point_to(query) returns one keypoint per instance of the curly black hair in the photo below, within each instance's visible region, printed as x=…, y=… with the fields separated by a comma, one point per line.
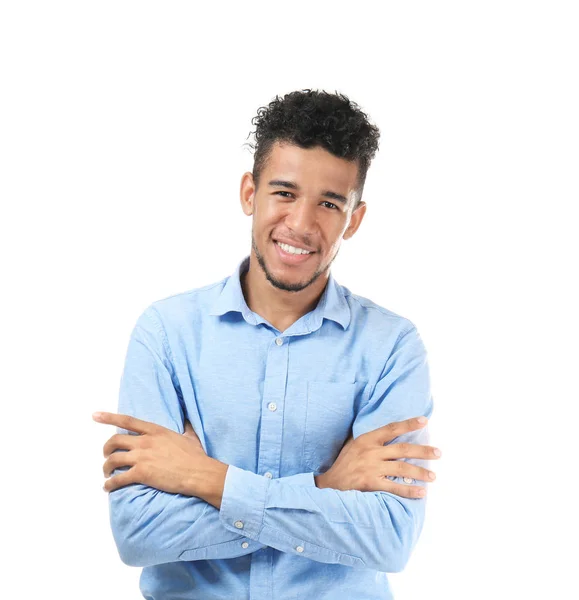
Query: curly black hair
x=309, y=118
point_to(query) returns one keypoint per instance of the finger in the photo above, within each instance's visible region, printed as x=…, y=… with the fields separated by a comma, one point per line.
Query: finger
x=387, y=433
x=120, y=480
x=406, y=450
x=124, y=422
x=119, y=459
x=120, y=441
x=190, y=433
x=399, y=468
x=402, y=490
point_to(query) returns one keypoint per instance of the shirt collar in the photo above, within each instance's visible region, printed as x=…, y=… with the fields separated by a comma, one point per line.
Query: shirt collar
x=332, y=304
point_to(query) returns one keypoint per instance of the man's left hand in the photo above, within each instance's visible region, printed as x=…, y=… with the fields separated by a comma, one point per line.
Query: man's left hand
x=158, y=457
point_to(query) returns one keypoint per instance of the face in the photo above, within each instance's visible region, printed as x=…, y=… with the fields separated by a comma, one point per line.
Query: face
x=302, y=210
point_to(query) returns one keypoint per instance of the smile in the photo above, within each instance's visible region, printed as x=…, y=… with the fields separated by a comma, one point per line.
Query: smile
x=292, y=249
x=292, y=256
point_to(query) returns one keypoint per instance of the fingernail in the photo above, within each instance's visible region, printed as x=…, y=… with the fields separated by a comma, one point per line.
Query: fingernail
x=97, y=416
x=421, y=492
x=422, y=420
x=437, y=452
x=431, y=475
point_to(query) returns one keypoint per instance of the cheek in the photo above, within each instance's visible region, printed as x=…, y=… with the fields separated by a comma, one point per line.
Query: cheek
x=262, y=218
x=334, y=248
x=271, y=217
x=334, y=236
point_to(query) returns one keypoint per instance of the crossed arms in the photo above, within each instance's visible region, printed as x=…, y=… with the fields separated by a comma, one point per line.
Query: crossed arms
x=350, y=515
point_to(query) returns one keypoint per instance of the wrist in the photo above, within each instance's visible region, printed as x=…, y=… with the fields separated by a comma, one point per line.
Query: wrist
x=208, y=481
x=215, y=483
x=321, y=480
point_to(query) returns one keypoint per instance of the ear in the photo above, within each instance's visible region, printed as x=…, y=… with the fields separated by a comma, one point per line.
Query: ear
x=355, y=221
x=247, y=193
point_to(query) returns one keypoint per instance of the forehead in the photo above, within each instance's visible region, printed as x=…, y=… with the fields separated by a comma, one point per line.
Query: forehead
x=311, y=167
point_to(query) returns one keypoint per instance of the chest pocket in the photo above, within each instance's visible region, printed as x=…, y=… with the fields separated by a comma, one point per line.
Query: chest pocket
x=329, y=418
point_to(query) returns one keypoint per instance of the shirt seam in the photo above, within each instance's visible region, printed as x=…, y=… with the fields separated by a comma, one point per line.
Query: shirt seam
x=290, y=540
x=164, y=339
x=204, y=288
x=214, y=546
x=400, y=337
x=381, y=309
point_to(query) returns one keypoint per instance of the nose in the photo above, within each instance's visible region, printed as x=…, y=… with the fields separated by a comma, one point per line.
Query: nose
x=301, y=218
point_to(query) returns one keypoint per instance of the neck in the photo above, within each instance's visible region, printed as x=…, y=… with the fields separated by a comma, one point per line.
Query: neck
x=279, y=307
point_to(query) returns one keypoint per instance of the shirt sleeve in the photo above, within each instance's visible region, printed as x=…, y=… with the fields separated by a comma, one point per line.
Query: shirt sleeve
x=151, y=526
x=376, y=530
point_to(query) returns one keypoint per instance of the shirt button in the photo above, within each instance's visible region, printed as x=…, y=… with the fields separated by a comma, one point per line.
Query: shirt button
x=268, y=475
x=239, y=524
x=408, y=480
x=272, y=406
x=245, y=545
x=300, y=549
x=279, y=341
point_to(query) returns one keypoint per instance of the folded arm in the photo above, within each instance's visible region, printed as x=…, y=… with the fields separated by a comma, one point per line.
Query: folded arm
x=367, y=529
x=376, y=530
x=151, y=526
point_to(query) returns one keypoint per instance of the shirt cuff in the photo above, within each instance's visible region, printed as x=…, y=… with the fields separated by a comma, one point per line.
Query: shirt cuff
x=243, y=502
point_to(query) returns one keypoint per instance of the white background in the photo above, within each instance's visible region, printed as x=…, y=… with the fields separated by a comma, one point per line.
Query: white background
x=122, y=127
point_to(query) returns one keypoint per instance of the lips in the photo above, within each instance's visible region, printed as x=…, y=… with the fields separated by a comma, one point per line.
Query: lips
x=294, y=244
x=291, y=259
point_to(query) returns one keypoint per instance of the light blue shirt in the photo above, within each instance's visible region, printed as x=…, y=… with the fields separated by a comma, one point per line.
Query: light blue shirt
x=277, y=407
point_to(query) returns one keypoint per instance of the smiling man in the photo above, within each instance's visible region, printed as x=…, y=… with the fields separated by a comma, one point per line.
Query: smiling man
x=272, y=437
x=302, y=201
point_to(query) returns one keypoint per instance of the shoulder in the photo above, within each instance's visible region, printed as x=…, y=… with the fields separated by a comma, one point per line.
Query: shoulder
x=187, y=306
x=374, y=319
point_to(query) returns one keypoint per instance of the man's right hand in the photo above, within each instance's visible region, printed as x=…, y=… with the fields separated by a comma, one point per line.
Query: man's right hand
x=364, y=463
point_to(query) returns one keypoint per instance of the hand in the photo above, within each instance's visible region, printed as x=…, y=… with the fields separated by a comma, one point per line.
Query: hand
x=364, y=463
x=158, y=457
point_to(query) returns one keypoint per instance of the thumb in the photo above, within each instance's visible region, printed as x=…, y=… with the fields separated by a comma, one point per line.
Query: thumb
x=348, y=442
x=190, y=433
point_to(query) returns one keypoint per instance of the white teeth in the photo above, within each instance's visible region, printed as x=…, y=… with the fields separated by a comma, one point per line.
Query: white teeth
x=292, y=249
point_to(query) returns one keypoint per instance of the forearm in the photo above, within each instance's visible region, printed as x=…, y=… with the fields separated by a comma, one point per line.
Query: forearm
x=374, y=530
x=152, y=527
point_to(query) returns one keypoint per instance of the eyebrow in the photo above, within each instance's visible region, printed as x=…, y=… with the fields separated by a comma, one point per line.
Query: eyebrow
x=293, y=186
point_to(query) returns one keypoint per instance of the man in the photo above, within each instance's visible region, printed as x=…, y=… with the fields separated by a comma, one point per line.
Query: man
x=269, y=422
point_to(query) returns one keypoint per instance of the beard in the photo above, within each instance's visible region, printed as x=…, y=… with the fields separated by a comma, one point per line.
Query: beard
x=282, y=285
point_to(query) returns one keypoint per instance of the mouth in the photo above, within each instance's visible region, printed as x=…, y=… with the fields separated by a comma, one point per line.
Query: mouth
x=292, y=255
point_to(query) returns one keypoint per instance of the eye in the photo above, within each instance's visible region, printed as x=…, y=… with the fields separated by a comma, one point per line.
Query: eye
x=281, y=193
x=331, y=205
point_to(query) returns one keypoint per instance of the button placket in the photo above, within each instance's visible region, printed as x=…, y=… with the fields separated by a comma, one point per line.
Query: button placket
x=273, y=398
